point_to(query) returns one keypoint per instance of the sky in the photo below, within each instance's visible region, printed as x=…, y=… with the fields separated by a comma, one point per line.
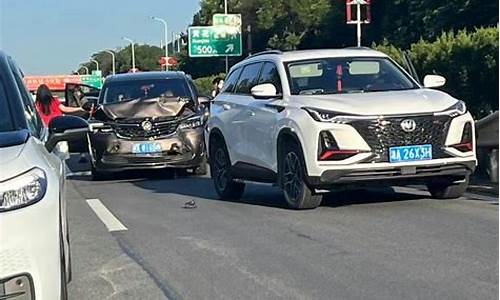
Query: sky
x=54, y=36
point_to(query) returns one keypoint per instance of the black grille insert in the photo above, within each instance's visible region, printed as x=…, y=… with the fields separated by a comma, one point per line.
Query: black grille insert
x=136, y=131
x=382, y=133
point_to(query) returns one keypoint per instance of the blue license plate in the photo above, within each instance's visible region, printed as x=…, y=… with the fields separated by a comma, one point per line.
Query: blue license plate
x=410, y=153
x=146, y=148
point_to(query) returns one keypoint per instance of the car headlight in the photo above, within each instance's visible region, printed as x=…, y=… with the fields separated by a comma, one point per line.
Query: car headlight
x=23, y=190
x=192, y=122
x=327, y=116
x=455, y=110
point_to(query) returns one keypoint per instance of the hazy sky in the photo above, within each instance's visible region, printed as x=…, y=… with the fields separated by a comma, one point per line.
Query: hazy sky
x=54, y=36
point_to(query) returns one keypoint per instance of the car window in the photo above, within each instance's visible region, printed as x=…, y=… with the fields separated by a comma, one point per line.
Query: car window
x=31, y=114
x=346, y=75
x=269, y=74
x=248, y=78
x=231, y=81
x=145, y=89
x=6, y=118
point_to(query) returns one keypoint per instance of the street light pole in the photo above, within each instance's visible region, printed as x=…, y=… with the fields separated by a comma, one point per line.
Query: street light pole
x=85, y=67
x=113, y=61
x=96, y=63
x=133, y=53
x=166, y=38
x=227, y=58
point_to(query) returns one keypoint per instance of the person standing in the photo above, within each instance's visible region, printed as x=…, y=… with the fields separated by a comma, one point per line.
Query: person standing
x=49, y=107
x=217, y=85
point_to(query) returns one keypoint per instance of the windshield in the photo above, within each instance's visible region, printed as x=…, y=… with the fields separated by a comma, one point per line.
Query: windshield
x=346, y=75
x=145, y=89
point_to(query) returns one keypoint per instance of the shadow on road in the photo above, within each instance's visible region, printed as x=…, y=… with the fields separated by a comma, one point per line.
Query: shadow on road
x=177, y=182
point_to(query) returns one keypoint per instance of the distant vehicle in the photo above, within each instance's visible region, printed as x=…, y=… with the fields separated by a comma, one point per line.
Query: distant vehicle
x=34, y=238
x=316, y=120
x=148, y=120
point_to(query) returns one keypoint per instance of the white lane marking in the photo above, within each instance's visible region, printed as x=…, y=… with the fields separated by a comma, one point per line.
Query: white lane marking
x=111, y=222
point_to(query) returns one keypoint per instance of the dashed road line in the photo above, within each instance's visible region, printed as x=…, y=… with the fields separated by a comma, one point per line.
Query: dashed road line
x=111, y=222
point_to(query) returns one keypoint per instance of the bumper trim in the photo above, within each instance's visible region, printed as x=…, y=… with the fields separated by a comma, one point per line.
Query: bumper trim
x=396, y=175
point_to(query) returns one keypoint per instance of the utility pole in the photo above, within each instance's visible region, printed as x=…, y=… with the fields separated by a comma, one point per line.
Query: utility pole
x=165, y=27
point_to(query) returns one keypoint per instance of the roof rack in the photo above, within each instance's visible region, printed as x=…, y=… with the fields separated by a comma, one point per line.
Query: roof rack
x=265, y=52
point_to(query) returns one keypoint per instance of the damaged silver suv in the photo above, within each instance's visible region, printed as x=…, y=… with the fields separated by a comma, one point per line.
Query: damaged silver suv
x=148, y=120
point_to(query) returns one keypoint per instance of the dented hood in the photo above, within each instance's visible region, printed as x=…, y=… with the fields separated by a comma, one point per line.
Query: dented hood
x=144, y=108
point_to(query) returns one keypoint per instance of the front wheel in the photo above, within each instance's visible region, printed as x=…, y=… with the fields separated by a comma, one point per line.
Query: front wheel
x=220, y=171
x=297, y=193
x=448, y=191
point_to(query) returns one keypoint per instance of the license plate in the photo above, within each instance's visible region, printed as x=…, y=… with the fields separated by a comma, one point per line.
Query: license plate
x=410, y=153
x=146, y=148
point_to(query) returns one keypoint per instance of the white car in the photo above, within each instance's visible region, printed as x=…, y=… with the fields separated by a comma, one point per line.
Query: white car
x=34, y=238
x=317, y=120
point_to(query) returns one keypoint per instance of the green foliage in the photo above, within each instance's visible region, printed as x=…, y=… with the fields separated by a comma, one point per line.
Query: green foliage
x=204, y=84
x=469, y=61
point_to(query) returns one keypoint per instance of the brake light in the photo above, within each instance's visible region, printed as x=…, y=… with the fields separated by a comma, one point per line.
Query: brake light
x=465, y=144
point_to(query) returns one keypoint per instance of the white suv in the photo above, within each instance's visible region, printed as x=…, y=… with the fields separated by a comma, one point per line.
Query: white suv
x=316, y=120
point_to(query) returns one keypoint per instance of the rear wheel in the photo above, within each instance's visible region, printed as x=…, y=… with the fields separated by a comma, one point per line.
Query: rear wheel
x=448, y=191
x=297, y=193
x=220, y=171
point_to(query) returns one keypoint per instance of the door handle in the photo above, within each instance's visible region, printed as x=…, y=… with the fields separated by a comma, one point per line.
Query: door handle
x=226, y=106
x=251, y=113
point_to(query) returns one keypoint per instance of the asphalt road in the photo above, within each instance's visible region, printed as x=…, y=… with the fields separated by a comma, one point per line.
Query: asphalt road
x=377, y=244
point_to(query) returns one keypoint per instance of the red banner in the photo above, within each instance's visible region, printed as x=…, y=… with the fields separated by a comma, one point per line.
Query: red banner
x=54, y=82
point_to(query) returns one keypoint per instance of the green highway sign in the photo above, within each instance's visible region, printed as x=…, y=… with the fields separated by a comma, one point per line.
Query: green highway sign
x=233, y=20
x=92, y=80
x=222, y=39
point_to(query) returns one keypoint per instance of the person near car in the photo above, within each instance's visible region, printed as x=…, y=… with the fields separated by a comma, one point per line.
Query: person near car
x=50, y=107
x=217, y=84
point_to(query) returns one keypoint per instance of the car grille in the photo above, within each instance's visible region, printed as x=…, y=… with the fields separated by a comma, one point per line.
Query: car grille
x=135, y=131
x=382, y=133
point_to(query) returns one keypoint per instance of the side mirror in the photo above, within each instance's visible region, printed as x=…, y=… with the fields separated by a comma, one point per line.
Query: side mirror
x=66, y=128
x=432, y=81
x=204, y=100
x=264, y=91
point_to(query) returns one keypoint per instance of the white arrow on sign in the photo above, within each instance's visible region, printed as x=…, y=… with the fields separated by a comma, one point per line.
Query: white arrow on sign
x=229, y=48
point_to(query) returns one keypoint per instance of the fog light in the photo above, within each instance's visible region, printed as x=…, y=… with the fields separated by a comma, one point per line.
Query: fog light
x=465, y=144
x=329, y=151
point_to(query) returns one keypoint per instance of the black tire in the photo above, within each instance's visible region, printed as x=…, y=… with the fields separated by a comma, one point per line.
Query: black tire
x=448, y=191
x=298, y=194
x=220, y=171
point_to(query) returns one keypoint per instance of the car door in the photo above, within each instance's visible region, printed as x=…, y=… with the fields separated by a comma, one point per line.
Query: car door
x=261, y=121
x=234, y=108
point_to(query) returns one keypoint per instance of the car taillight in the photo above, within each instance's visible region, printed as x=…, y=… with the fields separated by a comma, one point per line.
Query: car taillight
x=329, y=150
x=465, y=144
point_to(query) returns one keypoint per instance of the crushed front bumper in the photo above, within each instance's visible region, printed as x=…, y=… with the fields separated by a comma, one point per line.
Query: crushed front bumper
x=184, y=149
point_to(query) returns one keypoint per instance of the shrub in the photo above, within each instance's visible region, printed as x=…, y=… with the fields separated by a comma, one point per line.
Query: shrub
x=204, y=84
x=468, y=60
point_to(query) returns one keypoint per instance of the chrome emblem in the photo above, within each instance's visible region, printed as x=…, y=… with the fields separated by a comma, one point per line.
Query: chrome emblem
x=147, y=125
x=408, y=125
